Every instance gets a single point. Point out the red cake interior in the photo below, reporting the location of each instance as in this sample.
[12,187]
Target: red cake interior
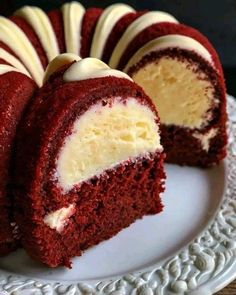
[105,204]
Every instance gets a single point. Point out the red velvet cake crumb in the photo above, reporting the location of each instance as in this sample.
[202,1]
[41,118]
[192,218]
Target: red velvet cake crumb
[105,204]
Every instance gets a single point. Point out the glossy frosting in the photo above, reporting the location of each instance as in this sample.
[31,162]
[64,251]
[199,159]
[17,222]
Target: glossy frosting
[41,24]
[16,39]
[12,60]
[170,41]
[73,13]
[58,62]
[6,68]
[110,16]
[72,18]
[89,68]
[134,29]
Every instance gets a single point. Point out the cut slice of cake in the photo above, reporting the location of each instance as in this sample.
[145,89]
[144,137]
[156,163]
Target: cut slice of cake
[186,84]
[89,161]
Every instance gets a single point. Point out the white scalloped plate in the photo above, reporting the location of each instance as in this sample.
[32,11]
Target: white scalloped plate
[190,248]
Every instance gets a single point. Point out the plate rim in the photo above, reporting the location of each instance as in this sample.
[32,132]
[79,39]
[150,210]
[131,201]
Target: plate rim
[205,265]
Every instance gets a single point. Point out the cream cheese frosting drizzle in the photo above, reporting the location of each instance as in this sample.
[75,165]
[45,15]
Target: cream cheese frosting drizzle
[6,68]
[72,17]
[89,68]
[41,24]
[110,16]
[140,24]
[170,41]
[58,62]
[12,60]
[15,38]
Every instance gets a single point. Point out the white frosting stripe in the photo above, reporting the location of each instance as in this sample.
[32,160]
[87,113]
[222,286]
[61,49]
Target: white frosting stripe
[15,38]
[72,17]
[58,62]
[140,24]
[169,41]
[89,68]
[12,60]
[39,21]
[6,68]
[110,16]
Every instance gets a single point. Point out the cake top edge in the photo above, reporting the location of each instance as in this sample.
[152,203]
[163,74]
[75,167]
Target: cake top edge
[81,69]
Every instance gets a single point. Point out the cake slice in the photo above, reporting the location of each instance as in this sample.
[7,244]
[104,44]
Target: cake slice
[184,80]
[89,161]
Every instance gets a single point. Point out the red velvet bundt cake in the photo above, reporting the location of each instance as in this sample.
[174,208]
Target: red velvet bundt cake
[175,65]
[88,160]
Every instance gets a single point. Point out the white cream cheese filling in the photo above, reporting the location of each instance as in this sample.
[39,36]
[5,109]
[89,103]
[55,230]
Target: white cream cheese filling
[183,95]
[58,219]
[205,138]
[103,137]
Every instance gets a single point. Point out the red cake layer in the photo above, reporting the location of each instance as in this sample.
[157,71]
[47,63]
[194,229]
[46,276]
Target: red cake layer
[107,205]
[104,205]
[33,38]
[187,150]
[163,29]
[56,19]
[117,32]
[90,20]
[179,144]
[13,102]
